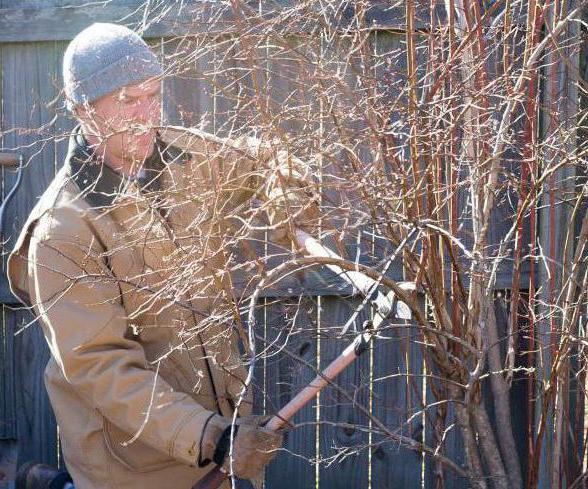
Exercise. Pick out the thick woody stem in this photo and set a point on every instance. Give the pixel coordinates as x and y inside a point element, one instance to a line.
<point>475,469</point>
<point>489,449</point>
<point>500,396</point>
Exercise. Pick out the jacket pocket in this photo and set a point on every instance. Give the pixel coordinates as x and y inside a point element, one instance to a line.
<point>136,456</point>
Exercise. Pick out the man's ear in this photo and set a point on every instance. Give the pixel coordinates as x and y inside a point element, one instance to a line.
<point>85,114</point>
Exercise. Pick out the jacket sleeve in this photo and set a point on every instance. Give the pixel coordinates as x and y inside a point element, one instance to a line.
<point>240,168</point>
<point>78,303</point>
<point>281,181</point>
<point>289,192</point>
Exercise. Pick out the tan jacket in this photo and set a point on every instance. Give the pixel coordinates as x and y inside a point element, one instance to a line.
<point>131,291</point>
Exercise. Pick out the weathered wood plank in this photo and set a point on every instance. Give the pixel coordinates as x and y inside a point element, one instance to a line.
<point>7,380</point>
<point>84,3</point>
<point>291,325</point>
<point>8,459</point>
<point>189,96</point>
<point>441,431</point>
<point>343,427</point>
<point>259,374</point>
<point>29,85</point>
<point>397,392</point>
<point>58,23</point>
<point>36,425</point>
<point>6,430</point>
<point>62,20</point>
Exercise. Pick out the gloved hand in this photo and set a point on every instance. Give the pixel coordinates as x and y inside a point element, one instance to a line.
<point>253,445</point>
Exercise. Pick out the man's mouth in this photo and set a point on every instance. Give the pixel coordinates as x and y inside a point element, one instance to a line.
<point>141,133</point>
<point>141,130</point>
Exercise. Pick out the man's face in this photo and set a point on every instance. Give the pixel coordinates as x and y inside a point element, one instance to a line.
<point>124,121</point>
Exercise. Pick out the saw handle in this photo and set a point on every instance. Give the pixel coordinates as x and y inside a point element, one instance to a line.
<point>217,476</point>
<point>363,284</point>
<point>212,480</point>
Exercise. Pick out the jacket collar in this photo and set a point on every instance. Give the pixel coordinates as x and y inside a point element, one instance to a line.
<point>100,184</point>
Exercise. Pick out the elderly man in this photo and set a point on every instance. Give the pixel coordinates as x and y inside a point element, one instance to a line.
<point>123,261</point>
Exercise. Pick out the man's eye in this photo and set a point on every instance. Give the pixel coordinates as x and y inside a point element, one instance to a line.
<point>125,99</point>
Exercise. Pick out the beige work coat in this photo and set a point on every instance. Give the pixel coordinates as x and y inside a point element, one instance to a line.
<point>133,295</point>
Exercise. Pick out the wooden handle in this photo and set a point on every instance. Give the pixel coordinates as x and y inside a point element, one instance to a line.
<point>9,159</point>
<point>216,477</point>
<point>364,284</point>
<point>212,480</point>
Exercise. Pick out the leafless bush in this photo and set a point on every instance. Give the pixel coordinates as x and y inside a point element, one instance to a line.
<point>459,120</point>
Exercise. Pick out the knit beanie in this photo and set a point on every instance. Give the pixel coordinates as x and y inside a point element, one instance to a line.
<point>103,58</point>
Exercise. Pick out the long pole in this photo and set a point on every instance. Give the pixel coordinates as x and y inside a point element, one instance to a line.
<point>384,306</point>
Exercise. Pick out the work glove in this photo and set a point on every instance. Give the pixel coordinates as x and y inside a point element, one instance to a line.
<point>253,445</point>
<point>259,421</point>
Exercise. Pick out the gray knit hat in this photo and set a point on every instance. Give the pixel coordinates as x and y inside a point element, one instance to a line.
<point>103,58</point>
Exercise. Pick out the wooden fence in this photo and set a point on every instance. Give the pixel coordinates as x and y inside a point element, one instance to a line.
<point>33,37</point>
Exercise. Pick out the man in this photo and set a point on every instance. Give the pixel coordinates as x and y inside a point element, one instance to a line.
<point>124,261</point>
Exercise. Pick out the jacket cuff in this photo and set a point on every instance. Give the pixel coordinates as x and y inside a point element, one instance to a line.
<point>185,445</point>
<point>204,460</point>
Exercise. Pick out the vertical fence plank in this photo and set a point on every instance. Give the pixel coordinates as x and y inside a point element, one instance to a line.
<point>398,385</point>
<point>7,397</point>
<point>343,426</point>
<point>201,90</point>
<point>29,84</point>
<point>188,100</point>
<point>28,75</point>
<point>441,430</point>
<point>7,414</point>
<point>291,325</point>
<point>37,433</point>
